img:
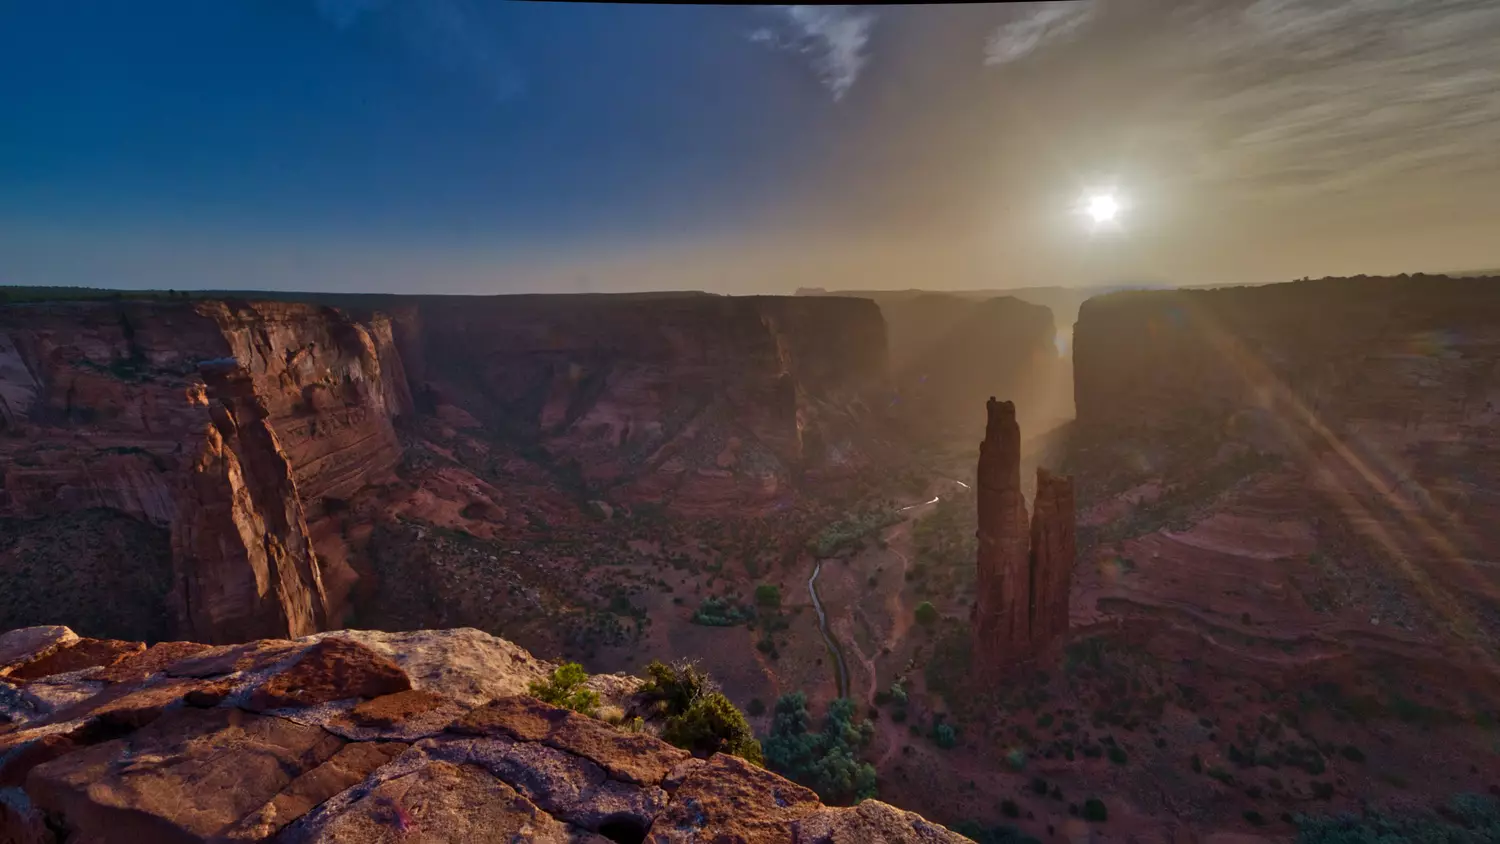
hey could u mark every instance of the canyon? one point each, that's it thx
(1284, 600)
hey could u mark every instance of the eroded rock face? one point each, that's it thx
(1024, 575)
(167, 750)
(209, 427)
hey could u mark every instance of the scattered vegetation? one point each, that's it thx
(827, 761)
(1466, 819)
(849, 532)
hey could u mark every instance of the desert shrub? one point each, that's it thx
(1254, 817)
(712, 725)
(1009, 808)
(699, 718)
(756, 707)
(1353, 754)
(827, 761)
(565, 688)
(1039, 785)
(1016, 759)
(1116, 755)
(1093, 810)
(944, 735)
(768, 595)
(926, 613)
(721, 612)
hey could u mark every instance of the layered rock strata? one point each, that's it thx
(356, 736)
(1024, 572)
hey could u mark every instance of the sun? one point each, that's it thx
(1103, 207)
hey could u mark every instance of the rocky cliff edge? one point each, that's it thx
(362, 736)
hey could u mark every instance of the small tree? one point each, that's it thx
(926, 613)
(565, 689)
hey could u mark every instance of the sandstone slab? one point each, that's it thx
(230, 762)
(632, 757)
(344, 769)
(870, 822)
(730, 800)
(437, 803)
(78, 656)
(232, 659)
(332, 669)
(152, 660)
(28, 644)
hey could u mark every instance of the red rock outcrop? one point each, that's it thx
(185, 752)
(1023, 575)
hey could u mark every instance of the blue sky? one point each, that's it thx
(467, 146)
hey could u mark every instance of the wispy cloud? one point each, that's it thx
(1039, 24)
(837, 39)
(1303, 96)
(449, 33)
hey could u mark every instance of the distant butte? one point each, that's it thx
(1024, 577)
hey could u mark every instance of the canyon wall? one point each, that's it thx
(1024, 575)
(1312, 454)
(702, 403)
(210, 423)
(200, 457)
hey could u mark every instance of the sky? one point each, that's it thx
(477, 146)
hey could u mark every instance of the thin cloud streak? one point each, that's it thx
(1040, 25)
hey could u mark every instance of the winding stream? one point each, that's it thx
(832, 643)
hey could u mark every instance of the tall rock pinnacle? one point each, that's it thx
(1024, 575)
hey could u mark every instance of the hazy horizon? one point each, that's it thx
(390, 146)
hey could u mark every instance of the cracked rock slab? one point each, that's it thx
(438, 803)
(632, 757)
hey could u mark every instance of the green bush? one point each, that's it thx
(699, 718)
(768, 595)
(827, 761)
(926, 613)
(713, 725)
(721, 612)
(1093, 810)
(565, 689)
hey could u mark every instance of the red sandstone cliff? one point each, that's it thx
(108, 417)
(1023, 575)
(224, 483)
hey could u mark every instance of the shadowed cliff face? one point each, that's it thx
(246, 429)
(1319, 458)
(699, 402)
(211, 420)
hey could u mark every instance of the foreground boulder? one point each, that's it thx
(359, 736)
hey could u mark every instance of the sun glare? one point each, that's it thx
(1103, 207)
